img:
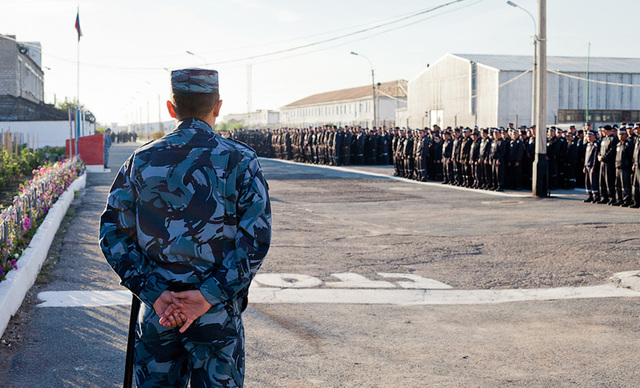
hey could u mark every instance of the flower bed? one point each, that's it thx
(19, 222)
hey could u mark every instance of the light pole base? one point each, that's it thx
(540, 186)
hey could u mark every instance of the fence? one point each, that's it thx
(47, 185)
(9, 141)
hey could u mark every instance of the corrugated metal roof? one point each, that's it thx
(563, 64)
(390, 88)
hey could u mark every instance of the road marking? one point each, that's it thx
(347, 280)
(434, 184)
(84, 298)
(259, 294)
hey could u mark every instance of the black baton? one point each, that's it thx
(128, 365)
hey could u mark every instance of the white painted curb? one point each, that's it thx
(14, 287)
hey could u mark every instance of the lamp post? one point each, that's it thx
(159, 105)
(204, 61)
(373, 87)
(535, 60)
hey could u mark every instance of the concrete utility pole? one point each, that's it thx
(540, 164)
(373, 86)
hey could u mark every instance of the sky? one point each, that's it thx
(290, 48)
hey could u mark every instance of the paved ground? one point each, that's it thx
(329, 222)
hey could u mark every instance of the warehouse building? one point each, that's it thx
(259, 119)
(354, 106)
(493, 90)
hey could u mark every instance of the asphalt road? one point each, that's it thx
(332, 221)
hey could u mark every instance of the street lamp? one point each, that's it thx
(159, 111)
(373, 87)
(535, 60)
(204, 61)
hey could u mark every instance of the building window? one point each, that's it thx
(597, 116)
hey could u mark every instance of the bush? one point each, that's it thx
(157, 135)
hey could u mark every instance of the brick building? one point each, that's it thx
(22, 82)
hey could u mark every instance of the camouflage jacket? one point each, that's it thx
(189, 208)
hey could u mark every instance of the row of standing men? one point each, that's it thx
(492, 159)
(488, 158)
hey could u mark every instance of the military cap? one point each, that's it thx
(572, 127)
(523, 132)
(592, 133)
(465, 130)
(194, 81)
(580, 131)
(614, 127)
(607, 127)
(485, 130)
(622, 131)
(637, 125)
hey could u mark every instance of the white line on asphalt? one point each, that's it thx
(358, 296)
(434, 184)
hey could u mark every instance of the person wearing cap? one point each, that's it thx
(624, 155)
(607, 159)
(497, 156)
(421, 152)
(514, 158)
(107, 146)
(456, 157)
(591, 168)
(553, 151)
(447, 156)
(485, 162)
(186, 227)
(635, 168)
(465, 158)
(570, 161)
(435, 153)
(407, 155)
(474, 160)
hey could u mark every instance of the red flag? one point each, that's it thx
(78, 25)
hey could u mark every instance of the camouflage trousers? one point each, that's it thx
(209, 354)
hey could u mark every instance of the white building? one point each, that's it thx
(347, 107)
(260, 119)
(493, 90)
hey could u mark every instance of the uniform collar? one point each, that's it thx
(194, 123)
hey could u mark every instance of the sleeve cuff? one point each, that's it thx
(211, 292)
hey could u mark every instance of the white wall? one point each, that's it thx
(444, 86)
(46, 133)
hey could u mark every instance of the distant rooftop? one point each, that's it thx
(394, 88)
(563, 64)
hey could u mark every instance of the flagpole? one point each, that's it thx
(78, 82)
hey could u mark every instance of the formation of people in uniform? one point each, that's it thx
(606, 160)
(123, 137)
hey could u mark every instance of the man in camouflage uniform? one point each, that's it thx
(186, 227)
